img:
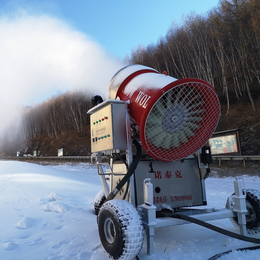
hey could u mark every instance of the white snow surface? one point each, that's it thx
(47, 214)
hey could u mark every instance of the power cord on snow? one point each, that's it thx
(230, 251)
(217, 229)
(222, 231)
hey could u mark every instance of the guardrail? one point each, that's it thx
(220, 158)
(242, 158)
(49, 158)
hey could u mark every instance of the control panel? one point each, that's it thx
(108, 126)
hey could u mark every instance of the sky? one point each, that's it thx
(48, 47)
(118, 26)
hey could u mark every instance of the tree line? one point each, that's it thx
(48, 122)
(222, 48)
(57, 116)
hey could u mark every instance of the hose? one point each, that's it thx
(230, 251)
(222, 231)
(217, 229)
(126, 164)
(121, 159)
(129, 173)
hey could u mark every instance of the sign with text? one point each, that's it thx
(223, 144)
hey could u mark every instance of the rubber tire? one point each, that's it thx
(120, 229)
(253, 206)
(98, 201)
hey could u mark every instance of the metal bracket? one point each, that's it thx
(148, 212)
(237, 203)
(96, 158)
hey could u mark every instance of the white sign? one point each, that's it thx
(60, 152)
(223, 144)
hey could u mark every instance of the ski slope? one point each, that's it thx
(47, 214)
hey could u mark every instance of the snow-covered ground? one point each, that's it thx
(47, 214)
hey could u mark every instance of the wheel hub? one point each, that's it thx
(251, 214)
(109, 230)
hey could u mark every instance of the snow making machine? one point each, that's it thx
(153, 129)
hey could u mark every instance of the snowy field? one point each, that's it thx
(47, 214)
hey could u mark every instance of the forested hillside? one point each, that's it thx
(57, 116)
(60, 122)
(222, 48)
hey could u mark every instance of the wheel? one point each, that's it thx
(98, 201)
(253, 207)
(120, 230)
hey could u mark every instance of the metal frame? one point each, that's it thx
(236, 207)
(129, 158)
(236, 204)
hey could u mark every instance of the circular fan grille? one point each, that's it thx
(181, 121)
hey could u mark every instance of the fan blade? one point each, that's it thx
(169, 100)
(195, 105)
(175, 140)
(182, 137)
(159, 139)
(191, 91)
(195, 119)
(159, 107)
(192, 100)
(187, 132)
(192, 126)
(179, 95)
(197, 112)
(153, 131)
(166, 142)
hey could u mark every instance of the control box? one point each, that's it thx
(108, 126)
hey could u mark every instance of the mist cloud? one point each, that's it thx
(41, 56)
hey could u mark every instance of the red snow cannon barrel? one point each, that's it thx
(175, 118)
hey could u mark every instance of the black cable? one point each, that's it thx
(117, 156)
(129, 172)
(222, 231)
(217, 229)
(121, 159)
(126, 190)
(128, 182)
(230, 251)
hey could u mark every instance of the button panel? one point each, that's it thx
(106, 130)
(100, 120)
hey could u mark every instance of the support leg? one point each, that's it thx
(150, 235)
(240, 205)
